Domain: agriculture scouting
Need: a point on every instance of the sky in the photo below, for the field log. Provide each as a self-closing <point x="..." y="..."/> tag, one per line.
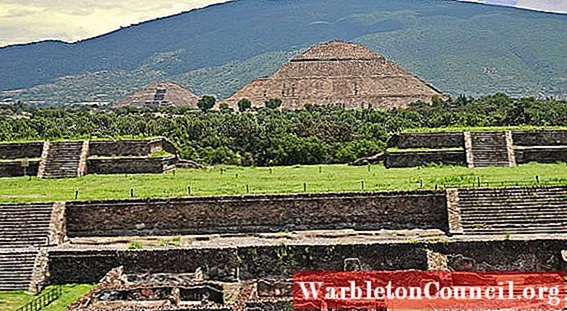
<point x="23" y="21"/>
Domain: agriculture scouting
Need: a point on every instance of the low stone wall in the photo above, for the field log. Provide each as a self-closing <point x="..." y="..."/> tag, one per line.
<point x="279" y="261"/>
<point x="90" y="266"/>
<point x="540" y="138"/>
<point x="427" y="140"/>
<point x="31" y="150"/>
<point x="259" y="213"/>
<point x="14" y="169"/>
<point x="541" y="154"/>
<point x="504" y="255"/>
<point x="425" y="157"/>
<point x="129" y="165"/>
<point x="110" y="148"/>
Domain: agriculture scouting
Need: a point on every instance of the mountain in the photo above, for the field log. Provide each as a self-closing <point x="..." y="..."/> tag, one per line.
<point x="460" y="48"/>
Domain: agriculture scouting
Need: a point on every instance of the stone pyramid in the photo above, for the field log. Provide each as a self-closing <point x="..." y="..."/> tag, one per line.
<point x="338" y="73"/>
<point x="161" y="94"/>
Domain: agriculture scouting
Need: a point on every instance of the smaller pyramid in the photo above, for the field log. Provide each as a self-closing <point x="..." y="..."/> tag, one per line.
<point x="161" y="94"/>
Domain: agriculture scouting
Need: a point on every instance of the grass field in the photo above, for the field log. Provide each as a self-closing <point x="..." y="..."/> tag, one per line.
<point x="10" y="301"/>
<point x="292" y="179"/>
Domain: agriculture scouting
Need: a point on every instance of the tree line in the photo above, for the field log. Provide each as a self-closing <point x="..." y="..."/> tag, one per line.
<point x="268" y="136"/>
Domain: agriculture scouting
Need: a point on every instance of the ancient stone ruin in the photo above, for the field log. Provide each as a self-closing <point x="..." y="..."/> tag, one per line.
<point x="338" y="73"/>
<point x="161" y="94"/>
<point x="77" y="158"/>
<point x="231" y="253"/>
<point x="473" y="149"/>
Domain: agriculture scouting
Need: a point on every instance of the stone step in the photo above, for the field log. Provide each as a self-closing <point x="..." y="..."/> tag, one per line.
<point x="502" y="231"/>
<point x="534" y="214"/>
<point x="511" y="196"/>
<point x="511" y="222"/>
<point x="515" y="206"/>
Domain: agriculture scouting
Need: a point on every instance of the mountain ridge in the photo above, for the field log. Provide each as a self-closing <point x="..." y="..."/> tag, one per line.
<point x="437" y="40"/>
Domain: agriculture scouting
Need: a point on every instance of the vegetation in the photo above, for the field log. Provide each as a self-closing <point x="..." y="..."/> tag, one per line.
<point x="206" y="103"/>
<point x="226" y="180"/>
<point x="460" y="48"/>
<point x="244" y="104"/>
<point x="270" y="137"/>
<point x="135" y="245"/>
<point x="10" y="301"/>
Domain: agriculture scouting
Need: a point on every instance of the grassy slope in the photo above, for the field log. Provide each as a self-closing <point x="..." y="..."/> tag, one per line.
<point x="233" y="180"/>
<point x="10" y="301"/>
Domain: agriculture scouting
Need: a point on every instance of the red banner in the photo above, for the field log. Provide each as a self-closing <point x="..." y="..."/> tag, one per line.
<point x="428" y="290"/>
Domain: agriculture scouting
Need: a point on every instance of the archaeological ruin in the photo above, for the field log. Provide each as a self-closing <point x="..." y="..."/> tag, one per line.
<point x="239" y="252"/>
<point x="473" y="149"/>
<point x="160" y="94"/>
<point x="338" y="73"/>
<point x="66" y="159"/>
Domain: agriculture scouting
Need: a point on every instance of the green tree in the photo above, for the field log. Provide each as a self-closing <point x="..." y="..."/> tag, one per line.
<point x="225" y="108"/>
<point x="206" y="103"/>
<point x="273" y="103"/>
<point x="244" y="104"/>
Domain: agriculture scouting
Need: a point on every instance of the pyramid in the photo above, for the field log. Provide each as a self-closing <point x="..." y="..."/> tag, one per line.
<point x="161" y="94"/>
<point x="338" y="73"/>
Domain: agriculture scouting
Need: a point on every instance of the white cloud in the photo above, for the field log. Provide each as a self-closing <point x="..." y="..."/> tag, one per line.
<point x="557" y="6"/>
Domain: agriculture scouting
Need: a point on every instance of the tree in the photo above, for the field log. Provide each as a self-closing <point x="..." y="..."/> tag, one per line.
<point x="206" y="103"/>
<point x="244" y="104"/>
<point x="225" y="108"/>
<point x="273" y="103"/>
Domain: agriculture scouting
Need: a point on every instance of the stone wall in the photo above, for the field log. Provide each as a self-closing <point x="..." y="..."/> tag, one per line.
<point x="129" y="165"/>
<point x="425" y="157"/>
<point x="541" y="154"/>
<point x="504" y="255"/>
<point x="427" y="140"/>
<point x="259" y="213"/>
<point x="540" y="138"/>
<point x="279" y="261"/>
<point x="14" y="168"/>
<point x="90" y="266"/>
<point x="31" y="150"/>
<point x="111" y="148"/>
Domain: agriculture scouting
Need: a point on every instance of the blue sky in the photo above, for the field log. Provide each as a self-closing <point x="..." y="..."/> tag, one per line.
<point x="23" y="21"/>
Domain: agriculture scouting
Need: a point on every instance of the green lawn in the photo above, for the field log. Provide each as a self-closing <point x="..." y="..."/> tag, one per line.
<point x="10" y="301"/>
<point x="291" y="179"/>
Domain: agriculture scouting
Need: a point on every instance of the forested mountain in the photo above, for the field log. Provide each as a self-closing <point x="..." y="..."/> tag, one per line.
<point x="458" y="47"/>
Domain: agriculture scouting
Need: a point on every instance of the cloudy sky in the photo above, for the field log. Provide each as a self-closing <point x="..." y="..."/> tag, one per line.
<point x="24" y="21"/>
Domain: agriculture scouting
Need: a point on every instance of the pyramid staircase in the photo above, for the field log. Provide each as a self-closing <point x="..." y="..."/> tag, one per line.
<point x="23" y="228"/>
<point x="491" y="149"/>
<point x="502" y="211"/>
<point x="24" y="225"/>
<point x="16" y="268"/>
<point x="63" y="159"/>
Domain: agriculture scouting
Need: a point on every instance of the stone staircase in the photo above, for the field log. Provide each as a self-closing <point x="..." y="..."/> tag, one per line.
<point x="23" y="228"/>
<point x="502" y="211"/>
<point x="491" y="149"/>
<point x="16" y="268"/>
<point x="63" y="160"/>
<point x="25" y="225"/>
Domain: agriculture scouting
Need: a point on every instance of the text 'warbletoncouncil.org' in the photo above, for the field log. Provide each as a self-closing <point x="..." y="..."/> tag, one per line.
<point x="428" y="290"/>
